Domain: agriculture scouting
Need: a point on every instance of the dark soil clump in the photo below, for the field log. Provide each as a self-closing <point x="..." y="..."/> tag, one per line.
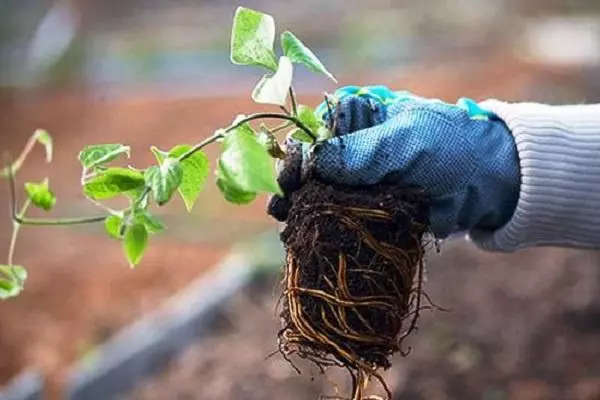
<point x="353" y="275"/>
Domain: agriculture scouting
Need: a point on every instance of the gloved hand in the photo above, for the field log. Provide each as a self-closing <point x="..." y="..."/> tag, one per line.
<point x="463" y="157"/>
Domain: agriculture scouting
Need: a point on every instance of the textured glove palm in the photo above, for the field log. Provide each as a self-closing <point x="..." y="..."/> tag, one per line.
<point x="467" y="165"/>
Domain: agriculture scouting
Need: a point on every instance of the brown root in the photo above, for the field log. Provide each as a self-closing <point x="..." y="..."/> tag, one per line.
<point x="353" y="283"/>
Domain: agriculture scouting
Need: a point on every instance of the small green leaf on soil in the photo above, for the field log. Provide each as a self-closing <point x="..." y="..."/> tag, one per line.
<point x="195" y="172"/>
<point x="40" y="195"/>
<point x="135" y="243"/>
<point x="274" y="88"/>
<point x="164" y="180"/>
<point x="252" y="39"/>
<point x="248" y="164"/>
<point x="101" y="154"/>
<point x="300" y="54"/>
<point x="111" y="182"/>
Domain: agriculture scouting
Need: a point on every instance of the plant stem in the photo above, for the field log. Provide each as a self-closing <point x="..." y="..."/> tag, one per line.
<point x="13" y="242"/>
<point x="216" y="136"/>
<point x="44" y="221"/>
<point x="16" y="165"/>
<point x="293" y="119"/>
<point x="294" y="101"/>
<point x="15" y="232"/>
<point x="221" y="133"/>
<point x="281" y="127"/>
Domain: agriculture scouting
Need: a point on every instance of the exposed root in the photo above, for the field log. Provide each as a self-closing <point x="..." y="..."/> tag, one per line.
<point x="353" y="282"/>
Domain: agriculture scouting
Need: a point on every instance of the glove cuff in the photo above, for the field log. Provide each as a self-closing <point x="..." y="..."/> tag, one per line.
<point x="559" y="199"/>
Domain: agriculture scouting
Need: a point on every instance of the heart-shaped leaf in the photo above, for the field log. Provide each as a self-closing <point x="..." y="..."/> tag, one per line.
<point x="101" y="154"/>
<point x="135" y="243"/>
<point x="231" y="192"/>
<point x="13" y="282"/>
<point x="252" y="39"/>
<point x="164" y="180"/>
<point x="274" y="89"/>
<point x="195" y="171"/>
<point x="40" y="195"/>
<point x="248" y="163"/>
<point x="113" y="225"/>
<point x="111" y="182"/>
<point x="300" y="54"/>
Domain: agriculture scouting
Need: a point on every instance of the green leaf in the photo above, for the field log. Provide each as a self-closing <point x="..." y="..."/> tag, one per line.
<point x="195" y="171"/>
<point x="231" y="192"/>
<point x="308" y="117"/>
<point x="112" y="182"/>
<point x="17" y="272"/>
<point x="113" y="225"/>
<point x="323" y="133"/>
<point x="135" y="243"/>
<point x="9" y="289"/>
<point x="248" y="164"/>
<point x="152" y="223"/>
<point x="301" y="135"/>
<point x="40" y="195"/>
<point x="252" y="39"/>
<point x="100" y="154"/>
<point x="164" y="179"/>
<point x="44" y="138"/>
<point x="300" y="54"/>
<point x="13" y="284"/>
<point x="274" y="89"/>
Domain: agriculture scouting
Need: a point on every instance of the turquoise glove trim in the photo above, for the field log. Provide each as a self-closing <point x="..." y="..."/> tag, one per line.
<point x="384" y="96"/>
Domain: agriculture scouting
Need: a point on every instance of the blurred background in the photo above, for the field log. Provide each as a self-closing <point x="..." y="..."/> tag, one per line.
<point x="142" y="72"/>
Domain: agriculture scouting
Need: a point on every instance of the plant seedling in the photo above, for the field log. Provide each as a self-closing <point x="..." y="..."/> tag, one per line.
<point x="353" y="254"/>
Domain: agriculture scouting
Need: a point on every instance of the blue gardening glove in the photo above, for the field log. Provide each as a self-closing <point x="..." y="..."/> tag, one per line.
<point x="464" y="157"/>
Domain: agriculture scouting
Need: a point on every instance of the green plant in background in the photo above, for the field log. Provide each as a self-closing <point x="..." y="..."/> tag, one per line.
<point x="244" y="169"/>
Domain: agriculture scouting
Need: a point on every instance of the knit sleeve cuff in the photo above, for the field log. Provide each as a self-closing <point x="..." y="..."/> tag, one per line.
<point x="559" y="199"/>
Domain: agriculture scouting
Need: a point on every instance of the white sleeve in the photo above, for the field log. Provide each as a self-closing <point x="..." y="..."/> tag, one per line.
<point x="559" y="199"/>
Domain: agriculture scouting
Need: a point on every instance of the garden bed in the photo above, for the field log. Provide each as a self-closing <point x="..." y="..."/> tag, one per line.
<point x="521" y="327"/>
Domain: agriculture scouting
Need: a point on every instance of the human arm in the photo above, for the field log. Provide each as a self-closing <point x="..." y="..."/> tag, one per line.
<point x="559" y="197"/>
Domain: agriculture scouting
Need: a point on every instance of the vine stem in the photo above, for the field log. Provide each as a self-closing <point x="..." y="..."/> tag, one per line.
<point x="221" y="133"/>
<point x="21" y="220"/>
<point x="15" y="233"/>
<point x="294" y="101"/>
<point x="18" y="218"/>
<point x="12" y="168"/>
<point x="13" y="243"/>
